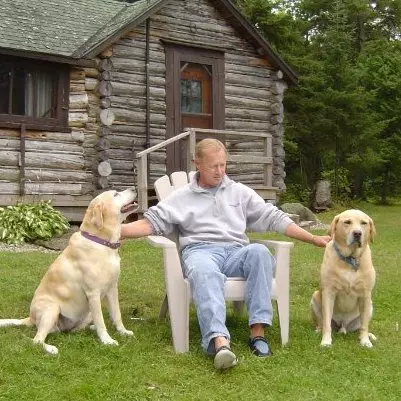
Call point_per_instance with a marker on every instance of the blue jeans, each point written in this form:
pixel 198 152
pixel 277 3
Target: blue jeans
pixel 207 266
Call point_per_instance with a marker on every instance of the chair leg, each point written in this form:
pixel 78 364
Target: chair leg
pixel 178 305
pixel 163 308
pixel 283 308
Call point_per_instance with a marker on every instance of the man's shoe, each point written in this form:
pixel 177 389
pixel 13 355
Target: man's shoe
pixel 259 346
pixel 224 358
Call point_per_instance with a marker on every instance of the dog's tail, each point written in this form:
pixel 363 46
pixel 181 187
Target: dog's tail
pixel 16 322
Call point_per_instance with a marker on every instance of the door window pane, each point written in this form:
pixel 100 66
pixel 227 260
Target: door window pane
pixel 191 96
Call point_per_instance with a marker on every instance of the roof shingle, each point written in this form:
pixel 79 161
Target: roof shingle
pixel 60 28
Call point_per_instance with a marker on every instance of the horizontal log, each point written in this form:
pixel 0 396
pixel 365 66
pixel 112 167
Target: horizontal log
pixel 105 88
pixel 105 102
pixel 104 168
pixel 250 103
pixel 107 117
pixel 91 72
pixel 73 136
pixel 77 118
pixel 250 114
pixel 133 90
pixel 42 174
pixel 78 101
pixel 137 102
pixel 40 146
pixel 125 165
pixel 77 74
pixel 77 87
pixel 106 53
pixel 56 200
pixel 131 78
pixel 238 90
pixel 13 188
pixel 43 160
pixel 131 116
pixel 91 84
pixel 106 64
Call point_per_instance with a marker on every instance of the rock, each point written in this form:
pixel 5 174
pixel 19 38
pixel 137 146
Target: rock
pixel 322 198
pixel 302 211
pixel 58 243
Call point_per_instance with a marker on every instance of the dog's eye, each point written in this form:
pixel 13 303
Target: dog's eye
pixel 364 223
pixel 347 222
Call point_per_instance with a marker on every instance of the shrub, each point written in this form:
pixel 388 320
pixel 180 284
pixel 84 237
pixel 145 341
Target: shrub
pixel 29 222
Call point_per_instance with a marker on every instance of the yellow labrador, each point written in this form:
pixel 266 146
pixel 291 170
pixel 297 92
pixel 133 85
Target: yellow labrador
pixel 70 293
pixel 347 277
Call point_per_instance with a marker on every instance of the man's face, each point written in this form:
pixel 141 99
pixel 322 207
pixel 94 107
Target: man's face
pixel 212 167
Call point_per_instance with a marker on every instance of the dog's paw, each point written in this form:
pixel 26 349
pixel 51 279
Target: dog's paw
pixel 325 344
pixel 107 340
pixel 51 349
pixel 125 332
pixel 326 341
pixel 365 342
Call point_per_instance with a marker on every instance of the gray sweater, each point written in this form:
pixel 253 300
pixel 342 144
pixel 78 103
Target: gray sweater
pixel 224 217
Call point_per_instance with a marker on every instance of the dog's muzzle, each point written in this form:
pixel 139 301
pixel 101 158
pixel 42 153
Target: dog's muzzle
pixel 357 237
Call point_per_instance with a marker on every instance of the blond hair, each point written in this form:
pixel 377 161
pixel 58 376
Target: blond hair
pixel 208 143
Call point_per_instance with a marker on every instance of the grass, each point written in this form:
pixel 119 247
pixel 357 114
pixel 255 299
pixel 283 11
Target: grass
pixel 146 367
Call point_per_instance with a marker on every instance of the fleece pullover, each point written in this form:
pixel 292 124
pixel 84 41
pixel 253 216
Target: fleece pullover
pixel 223 217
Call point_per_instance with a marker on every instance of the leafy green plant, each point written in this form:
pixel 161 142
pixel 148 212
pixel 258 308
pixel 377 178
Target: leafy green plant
pixel 28 222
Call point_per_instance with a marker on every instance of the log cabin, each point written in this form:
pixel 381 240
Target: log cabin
pixel 87 87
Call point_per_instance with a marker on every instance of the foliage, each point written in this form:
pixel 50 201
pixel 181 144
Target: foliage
pixel 339 180
pixel 29 222
pixel 345 111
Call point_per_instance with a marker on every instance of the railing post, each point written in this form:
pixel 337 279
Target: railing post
pixel 191 149
pixel 143 182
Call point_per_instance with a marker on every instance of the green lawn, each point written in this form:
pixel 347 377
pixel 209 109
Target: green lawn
pixel 146 367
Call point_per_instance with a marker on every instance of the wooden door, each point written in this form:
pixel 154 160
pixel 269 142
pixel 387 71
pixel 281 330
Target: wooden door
pixel 194 96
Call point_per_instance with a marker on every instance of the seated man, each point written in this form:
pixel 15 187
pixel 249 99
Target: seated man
pixel 212 214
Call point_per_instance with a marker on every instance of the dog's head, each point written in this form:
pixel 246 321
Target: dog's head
pixel 108 210
pixel 352 228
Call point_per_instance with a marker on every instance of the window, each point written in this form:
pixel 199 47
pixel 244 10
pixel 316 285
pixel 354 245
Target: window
pixel 34 93
pixel 196 95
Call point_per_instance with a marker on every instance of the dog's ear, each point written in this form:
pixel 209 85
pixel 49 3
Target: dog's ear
pixel 96 218
pixel 372 230
pixel 333 225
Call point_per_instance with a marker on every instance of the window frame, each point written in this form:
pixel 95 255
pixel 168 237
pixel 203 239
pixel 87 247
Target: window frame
pixel 60 72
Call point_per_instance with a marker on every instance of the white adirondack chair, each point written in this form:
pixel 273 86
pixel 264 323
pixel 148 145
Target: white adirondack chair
pixel 178 292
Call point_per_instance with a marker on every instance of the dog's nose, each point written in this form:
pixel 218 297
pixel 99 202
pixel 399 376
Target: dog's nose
pixel 357 234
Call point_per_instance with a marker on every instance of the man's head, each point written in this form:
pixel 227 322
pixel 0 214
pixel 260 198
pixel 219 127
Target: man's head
pixel 210 161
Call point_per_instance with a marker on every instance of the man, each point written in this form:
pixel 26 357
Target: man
pixel 212 214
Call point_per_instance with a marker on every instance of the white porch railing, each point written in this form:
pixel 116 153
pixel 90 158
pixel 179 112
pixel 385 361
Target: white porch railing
pixel 267 191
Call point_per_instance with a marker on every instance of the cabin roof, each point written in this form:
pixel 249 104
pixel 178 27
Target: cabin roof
pixel 76 30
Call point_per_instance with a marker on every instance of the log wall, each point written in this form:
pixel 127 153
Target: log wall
pixel 253 90
pixel 108 108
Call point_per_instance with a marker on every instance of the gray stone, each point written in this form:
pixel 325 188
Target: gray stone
pixel 302 211
pixel 322 198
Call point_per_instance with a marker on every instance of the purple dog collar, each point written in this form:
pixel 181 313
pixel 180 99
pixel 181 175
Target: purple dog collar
pixel 101 241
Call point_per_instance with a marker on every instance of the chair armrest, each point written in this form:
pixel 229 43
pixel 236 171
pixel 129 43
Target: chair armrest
pixel 276 245
pixel 161 242
pixel 282 254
